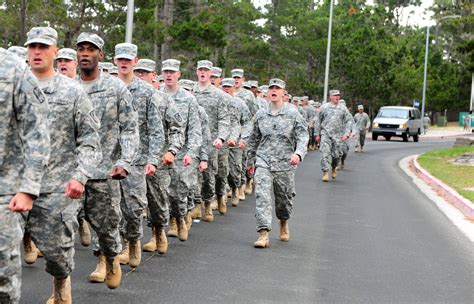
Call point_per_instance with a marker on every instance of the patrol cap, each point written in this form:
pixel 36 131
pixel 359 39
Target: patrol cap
pixel 91 38
pixel 67 53
pixel 253 83
pixel 146 65
pixel 113 70
pixel 360 107
pixel 227 82
pixel 277 82
pixel 334 92
pixel 106 65
pixel 18 50
pixel 216 72
pixel 186 84
pixel 204 64
pixel 44 35
pixel 170 65
pixel 126 51
pixel 263 87
pixel 305 98
pixel 317 104
pixel 237 73
pixel 159 78
pixel 247 84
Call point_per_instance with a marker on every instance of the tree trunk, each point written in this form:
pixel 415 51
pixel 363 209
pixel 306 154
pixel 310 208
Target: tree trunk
pixel 22 37
pixel 168 11
pixel 156 47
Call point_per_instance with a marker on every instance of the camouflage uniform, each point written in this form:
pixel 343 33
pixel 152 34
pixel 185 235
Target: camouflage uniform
pixel 120 141
pixel 275 138
pixel 362 122
pixel 134 201
pixel 214 102
pixel 332 123
pixel 24 152
pixel 311 113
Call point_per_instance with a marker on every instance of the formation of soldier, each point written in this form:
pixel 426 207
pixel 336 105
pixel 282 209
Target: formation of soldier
pixel 117 144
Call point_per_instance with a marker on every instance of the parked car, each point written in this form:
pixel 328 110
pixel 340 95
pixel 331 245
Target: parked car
pixel 397 121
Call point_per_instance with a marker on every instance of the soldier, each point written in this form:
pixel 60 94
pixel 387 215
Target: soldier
pixel 181 173
pixel 67 62
pixel 113 71
pixel 105 66
pixel 331 128
pixel 145 70
pixel 216 76
pixel 24 152
pixel 311 112
pixel 53 220
pixel 241 132
pixel 119 138
pixel 19 51
pixel 277 145
pixel 345 145
pixel 215 103
pixel 261 103
pixel 146 101
pixel 362 122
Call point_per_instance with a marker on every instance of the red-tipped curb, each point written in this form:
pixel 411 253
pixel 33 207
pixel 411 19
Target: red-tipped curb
pixel 460 202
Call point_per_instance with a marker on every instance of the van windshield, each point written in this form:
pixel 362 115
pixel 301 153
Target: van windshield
pixel 393 113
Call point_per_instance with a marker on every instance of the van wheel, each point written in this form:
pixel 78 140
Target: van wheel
pixel 387 138
pixel 374 136
pixel 405 136
pixel 415 137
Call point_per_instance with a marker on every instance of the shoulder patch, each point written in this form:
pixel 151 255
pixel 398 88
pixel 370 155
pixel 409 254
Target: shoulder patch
pixel 178 117
pixel 39 95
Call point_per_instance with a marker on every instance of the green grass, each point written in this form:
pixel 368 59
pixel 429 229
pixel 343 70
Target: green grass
pixel 457 177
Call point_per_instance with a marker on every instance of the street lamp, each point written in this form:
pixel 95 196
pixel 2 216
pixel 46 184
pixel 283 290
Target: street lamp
pixel 426 66
pixel 328 55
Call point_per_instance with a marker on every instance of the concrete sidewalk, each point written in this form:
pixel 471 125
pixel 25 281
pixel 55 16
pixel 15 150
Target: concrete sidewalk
pixel 442 133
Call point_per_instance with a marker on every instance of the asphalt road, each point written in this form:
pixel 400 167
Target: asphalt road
pixel 369 237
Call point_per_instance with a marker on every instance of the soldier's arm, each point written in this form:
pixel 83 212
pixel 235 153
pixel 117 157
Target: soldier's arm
pixel 253 143
pixel 317 123
pixel 128 123
pixel 348 122
pixel 194 131
pixel 156 135
pixel 223 118
pixel 88 148
pixel 234 113
pixel 302 136
pixel 32 110
pixel 206 136
pixel 367 125
pixel 175 126
pixel 246 123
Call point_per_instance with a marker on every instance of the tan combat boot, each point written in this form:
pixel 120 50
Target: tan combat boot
pixel 98 276
pixel 151 245
pixel 284 231
pixel 222 204
pixel 235 197
pixel 161 241
pixel 214 204
pixel 334 173
pixel 113 275
pixel 84 233
pixel 173 231
pixel 242 193
pixel 263 240
pixel 325 176
pixel 189 220
pixel 249 186
pixel 61 291
pixel 361 149
pixel 357 149
pixel 208 216
pixel 31 252
pixel 196 212
pixel 124 256
pixel 182 230
pixel 40 254
pixel 135 253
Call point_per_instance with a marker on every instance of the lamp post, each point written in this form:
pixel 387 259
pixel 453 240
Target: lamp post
pixel 426 65
pixel 328 55
pixel 129 26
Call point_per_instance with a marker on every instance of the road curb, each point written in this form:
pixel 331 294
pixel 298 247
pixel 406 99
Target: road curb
pixel 462 204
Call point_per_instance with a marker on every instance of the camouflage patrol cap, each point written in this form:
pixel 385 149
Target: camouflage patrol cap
pixel 305 98
pixel 277 82
pixel 67 53
pixel 263 87
pixel 227 82
pixel 237 73
pixel 170 65
pixel 44 35
pixel 146 65
pixel 126 51
pixel 19 51
pixel 247 84
pixel 204 64
pixel 159 78
pixel 91 38
pixel 105 65
pixel 317 104
pixel 360 107
pixel 216 72
pixel 186 84
pixel 253 83
pixel 113 70
pixel 334 92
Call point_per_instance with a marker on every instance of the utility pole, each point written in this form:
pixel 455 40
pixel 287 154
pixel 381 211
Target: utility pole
pixel 328 55
pixel 129 26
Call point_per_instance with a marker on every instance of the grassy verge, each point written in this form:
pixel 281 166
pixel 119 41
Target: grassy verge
pixel 457 177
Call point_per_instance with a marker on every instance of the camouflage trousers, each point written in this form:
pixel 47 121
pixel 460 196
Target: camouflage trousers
pixel 331 151
pixel 10 257
pixel 157 196
pixel 362 138
pixel 311 141
pixel 344 150
pixel 208 189
pixel 280 184
pixel 195 187
pixel 180 187
pixel 244 174
pixel 52 225
pixel 222 170
pixel 102 210
pixel 235 168
pixel 133 203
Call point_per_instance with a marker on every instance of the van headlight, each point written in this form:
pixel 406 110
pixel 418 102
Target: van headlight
pixel 375 125
pixel 403 126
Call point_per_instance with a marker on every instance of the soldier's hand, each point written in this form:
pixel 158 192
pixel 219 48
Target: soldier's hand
pixel 150 170
pixel 231 143
pixel 241 145
pixel 21 202
pixel 295 160
pixel 202 166
pixel 250 170
pixel 187 160
pixel 318 138
pixel 218 143
pixel 118 173
pixel 344 137
pixel 74 189
pixel 168 159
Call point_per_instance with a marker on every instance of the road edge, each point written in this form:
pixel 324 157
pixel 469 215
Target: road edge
pixel 458 218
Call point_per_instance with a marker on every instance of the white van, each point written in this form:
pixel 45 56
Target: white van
pixel 397 121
